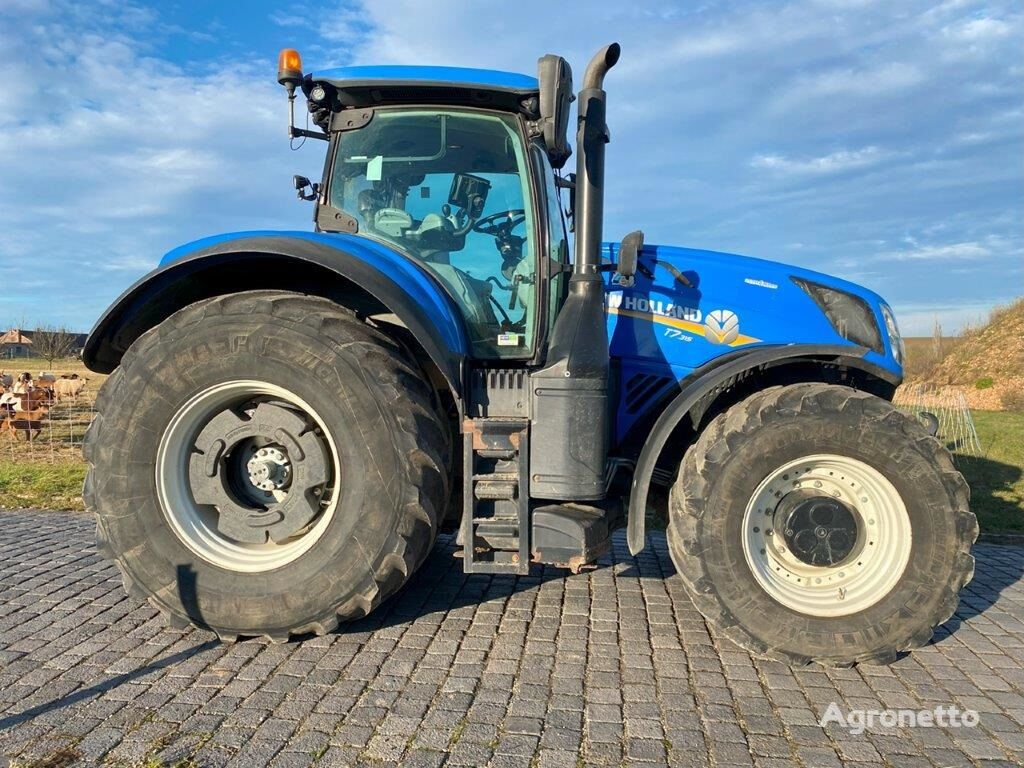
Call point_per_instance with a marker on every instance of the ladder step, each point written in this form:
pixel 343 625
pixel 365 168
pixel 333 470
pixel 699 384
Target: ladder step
pixel 495 523
pixel 500 533
pixel 495 489
pixel 508 477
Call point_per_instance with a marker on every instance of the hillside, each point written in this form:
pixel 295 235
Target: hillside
pixel 988 362
pixel 996 350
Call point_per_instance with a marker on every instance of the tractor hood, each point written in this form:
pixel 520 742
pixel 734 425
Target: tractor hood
pixel 734 301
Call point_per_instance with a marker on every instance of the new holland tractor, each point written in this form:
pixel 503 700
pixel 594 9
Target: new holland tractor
pixel 292 417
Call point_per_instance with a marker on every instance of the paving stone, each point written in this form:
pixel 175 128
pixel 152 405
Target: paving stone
pixel 610 667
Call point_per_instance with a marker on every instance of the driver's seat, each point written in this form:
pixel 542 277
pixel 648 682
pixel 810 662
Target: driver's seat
pixel 473 296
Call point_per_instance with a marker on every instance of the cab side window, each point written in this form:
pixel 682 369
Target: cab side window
pixel 558 237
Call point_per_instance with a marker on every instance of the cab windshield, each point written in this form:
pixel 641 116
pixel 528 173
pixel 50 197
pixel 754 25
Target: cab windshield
pixel 450 188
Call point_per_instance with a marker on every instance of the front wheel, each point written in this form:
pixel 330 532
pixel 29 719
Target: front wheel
pixel 816 523
pixel 264 463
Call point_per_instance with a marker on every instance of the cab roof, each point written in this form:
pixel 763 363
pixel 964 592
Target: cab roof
pixel 397 84
pixel 397 76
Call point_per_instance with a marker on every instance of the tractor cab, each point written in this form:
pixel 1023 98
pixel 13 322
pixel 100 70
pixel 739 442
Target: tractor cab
pixel 452 166
pixel 456 169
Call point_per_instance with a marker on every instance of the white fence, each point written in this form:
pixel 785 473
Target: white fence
pixel 944 408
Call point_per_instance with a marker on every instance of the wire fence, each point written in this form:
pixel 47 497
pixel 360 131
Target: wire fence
pixel 58 434
pixel 945 410
pixel 49 429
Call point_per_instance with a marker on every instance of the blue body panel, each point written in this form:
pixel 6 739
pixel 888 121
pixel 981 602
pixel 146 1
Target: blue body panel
pixel 658 326
pixel 418 284
pixel 481 79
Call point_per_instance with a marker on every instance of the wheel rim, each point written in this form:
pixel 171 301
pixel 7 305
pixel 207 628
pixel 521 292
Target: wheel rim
pixel 826 535
pixel 248 476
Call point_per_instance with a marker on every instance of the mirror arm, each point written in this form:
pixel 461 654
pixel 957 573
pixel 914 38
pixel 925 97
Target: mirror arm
pixel 296 132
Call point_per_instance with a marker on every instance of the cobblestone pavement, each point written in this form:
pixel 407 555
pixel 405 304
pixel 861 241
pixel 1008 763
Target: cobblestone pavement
pixel 606 668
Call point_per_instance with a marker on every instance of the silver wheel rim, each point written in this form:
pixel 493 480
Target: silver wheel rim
pixel 196 524
pixel 877 557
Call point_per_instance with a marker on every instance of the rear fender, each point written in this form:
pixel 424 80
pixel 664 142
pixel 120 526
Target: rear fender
pixel 379 278
pixel 719 375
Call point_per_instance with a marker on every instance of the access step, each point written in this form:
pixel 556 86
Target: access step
pixel 569 535
pixel 495 516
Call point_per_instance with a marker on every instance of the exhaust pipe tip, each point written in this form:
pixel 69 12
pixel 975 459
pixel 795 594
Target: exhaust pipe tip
pixel 603 60
pixel 611 55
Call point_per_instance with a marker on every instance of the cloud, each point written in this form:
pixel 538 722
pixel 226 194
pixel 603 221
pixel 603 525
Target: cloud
pixel 937 252
pixel 835 162
pixel 978 30
pixel 111 156
pixel 882 137
pixel 991 248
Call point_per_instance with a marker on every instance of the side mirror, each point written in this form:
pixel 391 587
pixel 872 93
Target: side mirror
pixel 302 184
pixel 555 78
pixel 629 254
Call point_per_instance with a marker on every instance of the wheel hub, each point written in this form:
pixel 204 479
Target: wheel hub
pixel 269 469
pixel 271 494
pixel 819 530
pixel 826 535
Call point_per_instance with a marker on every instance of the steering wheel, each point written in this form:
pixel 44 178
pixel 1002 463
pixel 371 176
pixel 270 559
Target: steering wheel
pixel 501 223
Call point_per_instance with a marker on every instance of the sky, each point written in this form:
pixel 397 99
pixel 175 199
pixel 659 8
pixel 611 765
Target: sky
pixel 882 142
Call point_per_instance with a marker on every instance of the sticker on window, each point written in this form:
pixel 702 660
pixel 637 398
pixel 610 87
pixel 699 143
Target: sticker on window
pixel 375 168
pixel 508 339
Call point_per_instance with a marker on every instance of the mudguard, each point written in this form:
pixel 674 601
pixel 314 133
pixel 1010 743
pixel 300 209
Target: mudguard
pixel 705 380
pixel 251 260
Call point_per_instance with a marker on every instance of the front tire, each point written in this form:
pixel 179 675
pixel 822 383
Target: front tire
pixel 264 463
pixel 817 523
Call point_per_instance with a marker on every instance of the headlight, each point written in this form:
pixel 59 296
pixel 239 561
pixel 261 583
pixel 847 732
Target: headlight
pixel 899 351
pixel 850 315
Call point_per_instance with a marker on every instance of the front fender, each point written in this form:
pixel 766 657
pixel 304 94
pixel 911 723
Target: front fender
pixel 290 261
pixel 718 373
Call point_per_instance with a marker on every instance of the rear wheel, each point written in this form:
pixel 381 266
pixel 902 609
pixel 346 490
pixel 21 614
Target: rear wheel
pixel 265 463
pixel 815 522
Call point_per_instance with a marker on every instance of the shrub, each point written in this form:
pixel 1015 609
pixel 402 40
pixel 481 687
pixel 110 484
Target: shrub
pixel 984 383
pixel 1012 399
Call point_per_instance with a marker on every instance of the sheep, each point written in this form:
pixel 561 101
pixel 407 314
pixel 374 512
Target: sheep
pixel 64 389
pixel 6 381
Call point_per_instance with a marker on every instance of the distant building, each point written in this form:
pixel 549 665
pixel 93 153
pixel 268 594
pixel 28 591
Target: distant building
pixel 18 343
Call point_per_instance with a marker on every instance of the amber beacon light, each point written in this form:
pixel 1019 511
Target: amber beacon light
pixel 289 68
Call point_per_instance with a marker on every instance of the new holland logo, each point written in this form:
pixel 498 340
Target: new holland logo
pixel 721 326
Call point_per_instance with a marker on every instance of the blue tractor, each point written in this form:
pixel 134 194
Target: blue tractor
pixel 291 417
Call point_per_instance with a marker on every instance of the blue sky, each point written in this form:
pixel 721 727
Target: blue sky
pixel 879 141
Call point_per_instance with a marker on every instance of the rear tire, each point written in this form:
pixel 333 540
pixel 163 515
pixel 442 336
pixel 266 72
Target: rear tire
pixel 900 561
pixel 378 424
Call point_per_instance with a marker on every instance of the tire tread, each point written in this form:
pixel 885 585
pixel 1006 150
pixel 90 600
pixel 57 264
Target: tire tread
pixel 703 460
pixel 421 435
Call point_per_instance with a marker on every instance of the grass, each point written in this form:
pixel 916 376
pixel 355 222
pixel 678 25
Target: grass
pixel 997 478
pixel 42 485
pixel 53 478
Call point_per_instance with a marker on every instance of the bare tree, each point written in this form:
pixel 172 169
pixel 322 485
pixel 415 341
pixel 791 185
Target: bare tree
pixel 53 343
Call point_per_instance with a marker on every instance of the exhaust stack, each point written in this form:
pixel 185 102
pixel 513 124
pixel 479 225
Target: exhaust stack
pixel 591 136
pixel 570 425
